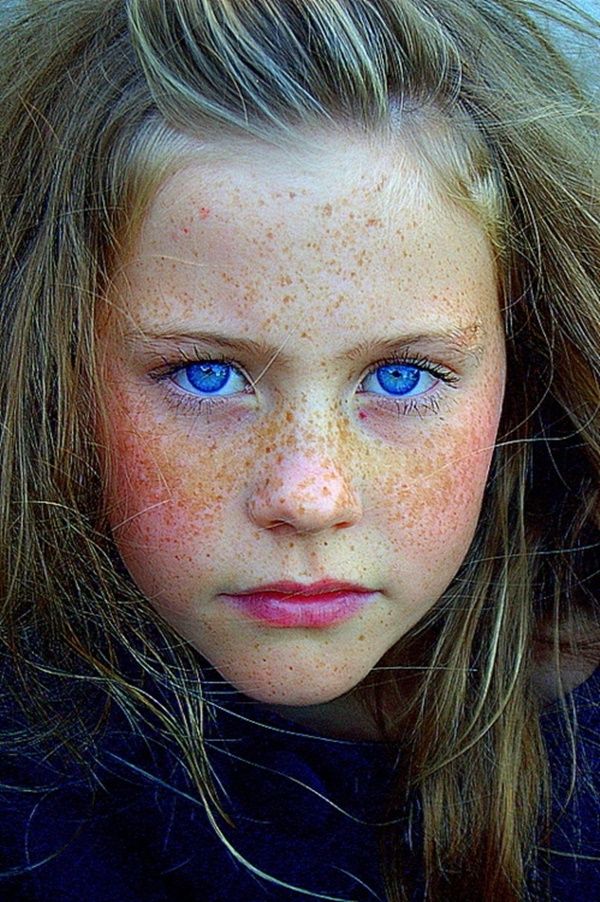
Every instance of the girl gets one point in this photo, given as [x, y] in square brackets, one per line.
[300, 452]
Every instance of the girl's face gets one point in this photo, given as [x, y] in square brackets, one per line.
[341, 425]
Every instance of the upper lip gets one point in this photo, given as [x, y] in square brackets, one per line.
[286, 587]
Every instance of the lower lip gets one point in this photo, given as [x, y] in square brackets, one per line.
[307, 611]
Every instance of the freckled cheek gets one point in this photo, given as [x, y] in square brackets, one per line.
[167, 508]
[434, 497]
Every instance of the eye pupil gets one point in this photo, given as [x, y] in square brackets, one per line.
[398, 379]
[208, 377]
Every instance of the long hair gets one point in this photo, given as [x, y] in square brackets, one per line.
[101, 100]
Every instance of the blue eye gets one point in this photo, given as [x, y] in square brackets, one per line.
[402, 380]
[209, 377]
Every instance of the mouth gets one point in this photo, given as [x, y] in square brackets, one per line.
[288, 604]
[323, 587]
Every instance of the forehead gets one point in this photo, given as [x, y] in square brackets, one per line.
[333, 171]
[251, 230]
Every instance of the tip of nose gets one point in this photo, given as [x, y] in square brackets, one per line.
[304, 499]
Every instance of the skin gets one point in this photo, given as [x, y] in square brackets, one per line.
[303, 474]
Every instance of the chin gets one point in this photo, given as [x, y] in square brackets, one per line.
[292, 694]
[282, 690]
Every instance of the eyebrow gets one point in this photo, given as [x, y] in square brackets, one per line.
[462, 341]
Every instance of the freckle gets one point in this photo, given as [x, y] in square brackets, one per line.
[327, 210]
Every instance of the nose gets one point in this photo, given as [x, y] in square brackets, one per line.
[304, 492]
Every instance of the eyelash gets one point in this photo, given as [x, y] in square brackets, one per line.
[178, 399]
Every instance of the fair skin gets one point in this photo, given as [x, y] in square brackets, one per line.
[306, 468]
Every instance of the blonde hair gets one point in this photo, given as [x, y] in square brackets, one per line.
[101, 100]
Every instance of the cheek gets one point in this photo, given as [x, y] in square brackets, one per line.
[439, 490]
[433, 501]
[167, 504]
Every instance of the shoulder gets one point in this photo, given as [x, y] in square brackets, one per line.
[571, 731]
[571, 728]
[100, 833]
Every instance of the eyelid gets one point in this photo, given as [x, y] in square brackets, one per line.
[442, 371]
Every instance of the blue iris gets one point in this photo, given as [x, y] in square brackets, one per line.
[208, 377]
[398, 379]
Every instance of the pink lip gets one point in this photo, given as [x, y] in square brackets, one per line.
[306, 608]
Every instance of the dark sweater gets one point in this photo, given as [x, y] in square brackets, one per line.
[141, 835]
